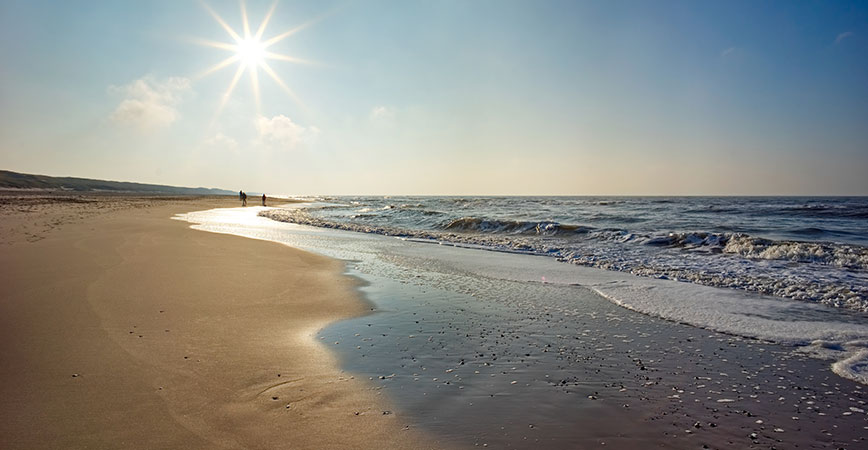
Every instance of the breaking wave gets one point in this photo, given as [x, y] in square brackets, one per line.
[829, 273]
[839, 255]
[544, 228]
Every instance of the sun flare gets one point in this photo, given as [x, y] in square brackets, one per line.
[251, 52]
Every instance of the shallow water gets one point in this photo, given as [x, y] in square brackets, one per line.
[516, 351]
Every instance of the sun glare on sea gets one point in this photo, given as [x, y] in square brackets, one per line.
[251, 52]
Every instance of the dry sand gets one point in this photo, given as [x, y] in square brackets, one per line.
[121, 328]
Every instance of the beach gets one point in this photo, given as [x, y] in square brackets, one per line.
[122, 328]
[191, 322]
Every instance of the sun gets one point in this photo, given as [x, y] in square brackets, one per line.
[251, 53]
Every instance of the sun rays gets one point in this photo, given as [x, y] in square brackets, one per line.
[250, 52]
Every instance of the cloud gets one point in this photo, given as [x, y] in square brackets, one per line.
[281, 131]
[221, 142]
[383, 114]
[843, 36]
[149, 103]
[727, 52]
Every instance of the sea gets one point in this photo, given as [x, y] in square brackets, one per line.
[507, 321]
[801, 248]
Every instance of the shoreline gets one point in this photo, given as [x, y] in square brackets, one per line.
[125, 328]
[473, 346]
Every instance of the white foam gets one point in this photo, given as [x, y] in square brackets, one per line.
[731, 311]
[855, 367]
[837, 255]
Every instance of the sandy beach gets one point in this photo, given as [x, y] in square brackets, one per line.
[122, 328]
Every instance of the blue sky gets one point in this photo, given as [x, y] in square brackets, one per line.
[449, 97]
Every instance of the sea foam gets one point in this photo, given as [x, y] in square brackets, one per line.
[855, 367]
[828, 273]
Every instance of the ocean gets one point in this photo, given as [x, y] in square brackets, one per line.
[521, 322]
[803, 248]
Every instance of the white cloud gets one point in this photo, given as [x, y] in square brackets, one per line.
[843, 36]
[383, 114]
[221, 142]
[727, 52]
[149, 103]
[281, 131]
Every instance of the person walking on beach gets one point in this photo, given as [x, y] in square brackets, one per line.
[263, 199]
[240, 195]
[243, 199]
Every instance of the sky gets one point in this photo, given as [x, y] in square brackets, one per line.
[469, 97]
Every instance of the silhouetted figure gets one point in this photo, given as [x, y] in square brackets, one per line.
[263, 199]
[243, 199]
[240, 195]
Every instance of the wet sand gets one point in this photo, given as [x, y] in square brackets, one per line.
[489, 362]
[121, 328]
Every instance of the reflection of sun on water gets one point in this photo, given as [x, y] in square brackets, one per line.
[251, 53]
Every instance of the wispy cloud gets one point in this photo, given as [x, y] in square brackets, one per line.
[281, 131]
[221, 142]
[843, 36]
[149, 103]
[727, 52]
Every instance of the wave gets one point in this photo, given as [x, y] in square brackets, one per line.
[847, 256]
[414, 208]
[300, 217]
[545, 228]
[790, 269]
[826, 211]
[838, 255]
